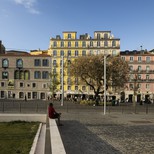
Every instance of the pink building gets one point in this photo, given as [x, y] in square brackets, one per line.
[141, 78]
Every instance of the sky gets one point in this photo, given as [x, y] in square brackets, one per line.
[29, 24]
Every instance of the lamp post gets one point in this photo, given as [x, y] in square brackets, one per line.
[104, 84]
[62, 82]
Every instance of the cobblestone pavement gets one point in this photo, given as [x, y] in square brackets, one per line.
[91, 132]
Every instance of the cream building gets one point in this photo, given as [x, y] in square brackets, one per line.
[24, 76]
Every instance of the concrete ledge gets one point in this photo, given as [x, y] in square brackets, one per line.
[23, 117]
[33, 148]
[57, 146]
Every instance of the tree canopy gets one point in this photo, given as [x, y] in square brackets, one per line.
[90, 70]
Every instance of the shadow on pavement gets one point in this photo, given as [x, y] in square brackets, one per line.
[78, 139]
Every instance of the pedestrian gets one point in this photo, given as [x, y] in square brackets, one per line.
[53, 114]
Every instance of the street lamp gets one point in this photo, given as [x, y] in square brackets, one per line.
[62, 82]
[105, 56]
[104, 83]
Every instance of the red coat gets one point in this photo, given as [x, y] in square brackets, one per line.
[51, 112]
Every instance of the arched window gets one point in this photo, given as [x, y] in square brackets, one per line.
[19, 63]
[21, 75]
[26, 75]
[16, 74]
[21, 95]
[5, 63]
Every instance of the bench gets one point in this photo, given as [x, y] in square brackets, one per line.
[57, 146]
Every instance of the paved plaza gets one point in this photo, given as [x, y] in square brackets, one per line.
[87, 130]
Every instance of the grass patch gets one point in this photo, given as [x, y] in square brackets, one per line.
[17, 137]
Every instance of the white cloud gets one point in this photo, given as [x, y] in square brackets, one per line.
[28, 4]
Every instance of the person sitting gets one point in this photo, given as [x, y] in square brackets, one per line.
[53, 114]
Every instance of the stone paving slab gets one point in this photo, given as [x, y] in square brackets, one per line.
[94, 133]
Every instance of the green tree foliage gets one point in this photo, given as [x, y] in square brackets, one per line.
[90, 70]
[54, 83]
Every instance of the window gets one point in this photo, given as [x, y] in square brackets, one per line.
[131, 77]
[131, 86]
[98, 43]
[54, 53]
[45, 75]
[83, 53]
[34, 85]
[91, 43]
[105, 43]
[68, 81]
[147, 86]
[76, 87]
[37, 75]
[76, 53]
[147, 68]
[62, 44]
[62, 53]
[76, 44]
[69, 36]
[5, 75]
[123, 58]
[19, 63]
[2, 94]
[45, 62]
[5, 63]
[21, 84]
[139, 76]
[113, 43]
[147, 77]
[131, 68]
[105, 36]
[54, 63]
[139, 59]
[139, 68]
[76, 81]
[91, 52]
[21, 95]
[37, 62]
[114, 52]
[69, 53]
[69, 88]
[54, 44]
[34, 95]
[2, 84]
[83, 44]
[147, 59]
[54, 71]
[69, 44]
[131, 59]
[98, 36]
[84, 88]
[45, 86]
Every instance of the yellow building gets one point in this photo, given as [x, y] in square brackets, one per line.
[70, 47]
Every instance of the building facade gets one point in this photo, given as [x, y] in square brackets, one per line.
[68, 47]
[141, 75]
[2, 48]
[24, 76]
